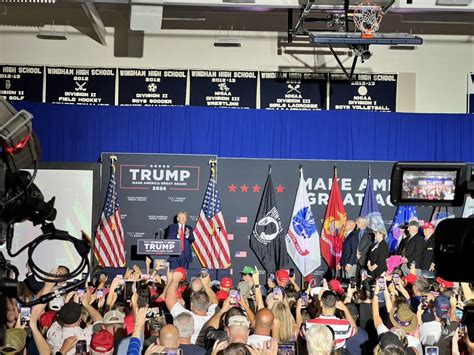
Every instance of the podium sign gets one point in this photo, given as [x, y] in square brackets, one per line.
[158, 247]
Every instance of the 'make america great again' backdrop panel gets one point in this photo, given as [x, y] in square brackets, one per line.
[152, 188]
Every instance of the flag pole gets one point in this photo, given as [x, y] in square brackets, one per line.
[370, 173]
[113, 159]
[213, 163]
[269, 169]
[334, 271]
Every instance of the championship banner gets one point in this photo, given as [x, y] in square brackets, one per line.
[80, 86]
[369, 92]
[152, 87]
[152, 189]
[18, 83]
[231, 89]
[292, 91]
[470, 93]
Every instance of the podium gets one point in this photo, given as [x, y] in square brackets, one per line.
[159, 247]
[165, 248]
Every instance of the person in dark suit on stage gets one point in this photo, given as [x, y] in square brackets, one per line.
[404, 235]
[412, 251]
[427, 261]
[183, 232]
[365, 238]
[348, 262]
[378, 255]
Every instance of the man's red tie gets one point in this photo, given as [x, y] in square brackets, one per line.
[181, 235]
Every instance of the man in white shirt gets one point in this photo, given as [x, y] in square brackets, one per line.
[70, 317]
[203, 303]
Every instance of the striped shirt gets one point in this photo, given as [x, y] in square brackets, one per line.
[341, 327]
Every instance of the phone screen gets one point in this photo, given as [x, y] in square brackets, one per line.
[99, 293]
[81, 347]
[234, 297]
[431, 350]
[381, 283]
[276, 293]
[153, 312]
[80, 293]
[287, 349]
[396, 279]
[25, 315]
[304, 299]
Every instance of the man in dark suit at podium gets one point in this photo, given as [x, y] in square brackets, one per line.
[183, 232]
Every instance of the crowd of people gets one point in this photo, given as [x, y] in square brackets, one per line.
[380, 304]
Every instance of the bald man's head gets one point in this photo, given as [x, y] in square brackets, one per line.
[263, 322]
[169, 336]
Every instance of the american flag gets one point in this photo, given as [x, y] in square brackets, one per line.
[211, 242]
[109, 245]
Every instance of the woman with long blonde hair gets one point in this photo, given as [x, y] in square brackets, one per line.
[284, 325]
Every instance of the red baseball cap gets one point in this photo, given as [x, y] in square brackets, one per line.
[47, 319]
[283, 275]
[336, 286]
[102, 341]
[129, 322]
[222, 295]
[410, 279]
[428, 225]
[182, 270]
[444, 283]
[227, 282]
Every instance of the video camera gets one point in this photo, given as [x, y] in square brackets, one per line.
[441, 184]
[22, 200]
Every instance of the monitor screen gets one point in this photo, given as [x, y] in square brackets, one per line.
[429, 185]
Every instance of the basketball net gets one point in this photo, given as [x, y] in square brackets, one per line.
[367, 18]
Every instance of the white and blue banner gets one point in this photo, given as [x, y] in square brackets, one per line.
[302, 239]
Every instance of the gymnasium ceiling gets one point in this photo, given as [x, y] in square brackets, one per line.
[84, 15]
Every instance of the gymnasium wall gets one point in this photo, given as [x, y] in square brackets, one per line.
[433, 77]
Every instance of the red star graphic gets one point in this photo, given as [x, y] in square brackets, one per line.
[232, 188]
[244, 188]
[280, 189]
[256, 188]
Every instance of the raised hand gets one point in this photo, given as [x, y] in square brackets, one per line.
[68, 344]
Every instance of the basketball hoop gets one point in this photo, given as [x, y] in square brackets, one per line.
[367, 18]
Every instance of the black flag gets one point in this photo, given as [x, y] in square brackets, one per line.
[267, 240]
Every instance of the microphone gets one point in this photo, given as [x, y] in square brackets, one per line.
[159, 234]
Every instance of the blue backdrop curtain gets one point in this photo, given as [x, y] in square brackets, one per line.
[71, 133]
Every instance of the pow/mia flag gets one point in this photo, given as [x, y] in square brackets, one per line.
[267, 240]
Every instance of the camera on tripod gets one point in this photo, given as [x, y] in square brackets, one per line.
[21, 200]
[441, 184]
